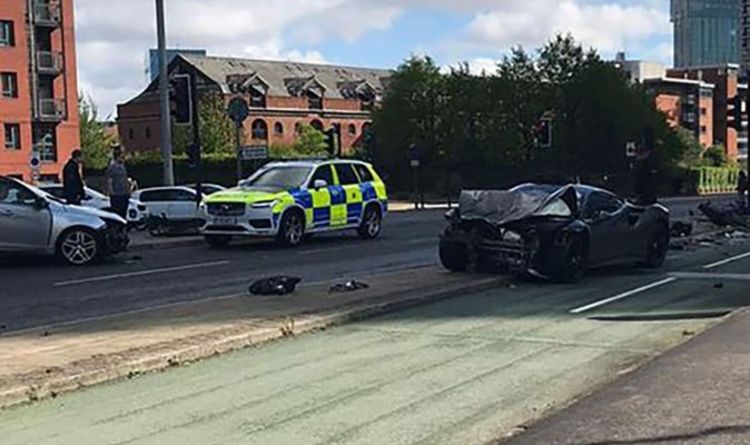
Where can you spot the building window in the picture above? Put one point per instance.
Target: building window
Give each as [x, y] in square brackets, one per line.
[352, 129]
[298, 128]
[257, 99]
[148, 132]
[704, 111]
[278, 128]
[704, 130]
[314, 102]
[13, 136]
[260, 129]
[45, 142]
[366, 127]
[131, 134]
[7, 37]
[10, 84]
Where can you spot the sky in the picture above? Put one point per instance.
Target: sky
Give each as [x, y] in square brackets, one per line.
[113, 37]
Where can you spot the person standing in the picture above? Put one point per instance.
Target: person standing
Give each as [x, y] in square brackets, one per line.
[72, 180]
[644, 180]
[742, 187]
[118, 185]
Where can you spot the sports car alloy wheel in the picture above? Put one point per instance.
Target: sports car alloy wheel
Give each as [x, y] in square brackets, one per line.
[79, 247]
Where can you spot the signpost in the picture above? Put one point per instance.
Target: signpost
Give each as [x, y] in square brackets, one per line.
[253, 152]
[415, 157]
[238, 111]
[35, 163]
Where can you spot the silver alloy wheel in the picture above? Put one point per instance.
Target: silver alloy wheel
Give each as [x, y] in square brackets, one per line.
[294, 230]
[373, 224]
[79, 247]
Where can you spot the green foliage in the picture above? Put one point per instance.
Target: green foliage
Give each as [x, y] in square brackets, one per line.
[693, 154]
[309, 143]
[715, 156]
[96, 143]
[467, 125]
[216, 128]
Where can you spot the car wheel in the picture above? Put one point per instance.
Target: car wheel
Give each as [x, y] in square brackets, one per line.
[656, 250]
[454, 256]
[218, 240]
[78, 247]
[372, 223]
[571, 263]
[291, 229]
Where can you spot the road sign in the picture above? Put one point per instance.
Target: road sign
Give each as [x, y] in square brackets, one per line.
[630, 149]
[238, 110]
[35, 175]
[253, 152]
[35, 162]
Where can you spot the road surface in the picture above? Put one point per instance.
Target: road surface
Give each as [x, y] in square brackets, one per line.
[463, 371]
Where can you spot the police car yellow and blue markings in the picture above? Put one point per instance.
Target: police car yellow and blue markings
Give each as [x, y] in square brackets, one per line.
[330, 207]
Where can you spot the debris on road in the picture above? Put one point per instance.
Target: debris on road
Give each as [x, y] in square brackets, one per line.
[349, 286]
[279, 285]
[681, 229]
[729, 216]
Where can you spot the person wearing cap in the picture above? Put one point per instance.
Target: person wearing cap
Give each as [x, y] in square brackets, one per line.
[72, 180]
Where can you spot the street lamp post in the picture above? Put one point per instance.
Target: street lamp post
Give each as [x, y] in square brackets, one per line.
[164, 118]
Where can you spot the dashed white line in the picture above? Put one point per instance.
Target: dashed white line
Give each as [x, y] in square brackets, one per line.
[711, 276]
[622, 296]
[140, 273]
[727, 261]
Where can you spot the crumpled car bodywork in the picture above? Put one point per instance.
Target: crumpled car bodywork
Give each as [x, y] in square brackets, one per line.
[545, 231]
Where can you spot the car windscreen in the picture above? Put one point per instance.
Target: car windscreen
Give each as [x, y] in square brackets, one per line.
[278, 178]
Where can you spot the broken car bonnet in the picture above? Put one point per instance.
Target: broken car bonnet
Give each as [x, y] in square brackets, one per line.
[504, 206]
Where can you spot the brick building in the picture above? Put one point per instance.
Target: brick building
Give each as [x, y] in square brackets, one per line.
[39, 100]
[687, 103]
[282, 96]
[726, 82]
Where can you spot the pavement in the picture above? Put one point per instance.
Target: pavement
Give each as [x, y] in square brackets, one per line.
[468, 370]
[698, 393]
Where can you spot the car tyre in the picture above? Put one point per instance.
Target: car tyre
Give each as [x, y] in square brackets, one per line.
[218, 241]
[79, 246]
[372, 223]
[570, 265]
[454, 255]
[291, 229]
[656, 249]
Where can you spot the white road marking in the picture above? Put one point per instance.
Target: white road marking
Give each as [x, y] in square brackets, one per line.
[727, 261]
[622, 296]
[140, 273]
[711, 276]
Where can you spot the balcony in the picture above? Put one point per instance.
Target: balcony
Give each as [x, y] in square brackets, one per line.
[47, 14]
[51, 110]
[49, 62]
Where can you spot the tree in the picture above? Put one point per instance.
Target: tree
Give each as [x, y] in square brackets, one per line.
[96, 142]
[715, 156]
[310, 142]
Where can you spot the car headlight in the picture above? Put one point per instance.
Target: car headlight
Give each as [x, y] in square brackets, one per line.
[511, 236]
[264, 204]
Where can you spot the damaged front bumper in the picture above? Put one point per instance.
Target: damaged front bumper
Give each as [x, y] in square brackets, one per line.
[114, 238]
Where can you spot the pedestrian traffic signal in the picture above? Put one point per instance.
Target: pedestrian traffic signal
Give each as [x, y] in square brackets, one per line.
[193, 153]
[543, 133]
[735, 112]
[180, 99]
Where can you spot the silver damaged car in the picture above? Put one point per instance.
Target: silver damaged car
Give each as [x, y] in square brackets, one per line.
[32, 221]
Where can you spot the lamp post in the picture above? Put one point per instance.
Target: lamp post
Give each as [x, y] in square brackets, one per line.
[164, 118]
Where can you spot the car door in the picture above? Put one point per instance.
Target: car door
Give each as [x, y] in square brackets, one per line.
[24, 225]
[319, 216]
[609, 227]
[182, 204]
[155, 201]
[351, 213]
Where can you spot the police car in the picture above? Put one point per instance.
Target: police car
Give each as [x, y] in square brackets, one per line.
[288, 200]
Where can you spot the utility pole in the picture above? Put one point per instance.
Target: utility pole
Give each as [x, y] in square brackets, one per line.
[746, 116]
[165, 121]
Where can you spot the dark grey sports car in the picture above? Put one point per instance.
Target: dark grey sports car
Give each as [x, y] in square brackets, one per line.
[553, 232]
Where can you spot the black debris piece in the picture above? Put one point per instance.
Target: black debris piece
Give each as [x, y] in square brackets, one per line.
[719, 286]
[732, 215]
[278, 285]
[681, 229]
[349, 286]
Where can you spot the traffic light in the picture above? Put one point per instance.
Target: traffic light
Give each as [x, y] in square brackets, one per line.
[331, 140]
[180, 99]
[735, 112]
[193, 153]
[544, 133]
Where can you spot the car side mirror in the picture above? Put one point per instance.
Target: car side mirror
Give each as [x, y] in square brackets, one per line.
[320, 184]
[41, 203]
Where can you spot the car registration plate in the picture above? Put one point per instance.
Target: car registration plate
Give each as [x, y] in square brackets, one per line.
[224, 221]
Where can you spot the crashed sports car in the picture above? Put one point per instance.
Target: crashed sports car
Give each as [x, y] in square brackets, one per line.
[552, 232]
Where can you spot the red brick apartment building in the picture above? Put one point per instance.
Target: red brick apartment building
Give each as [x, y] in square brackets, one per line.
[39, 99]
[687, 103]
[282, 96]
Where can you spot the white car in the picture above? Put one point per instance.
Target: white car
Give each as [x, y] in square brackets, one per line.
[137, 212]
[178, 204]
